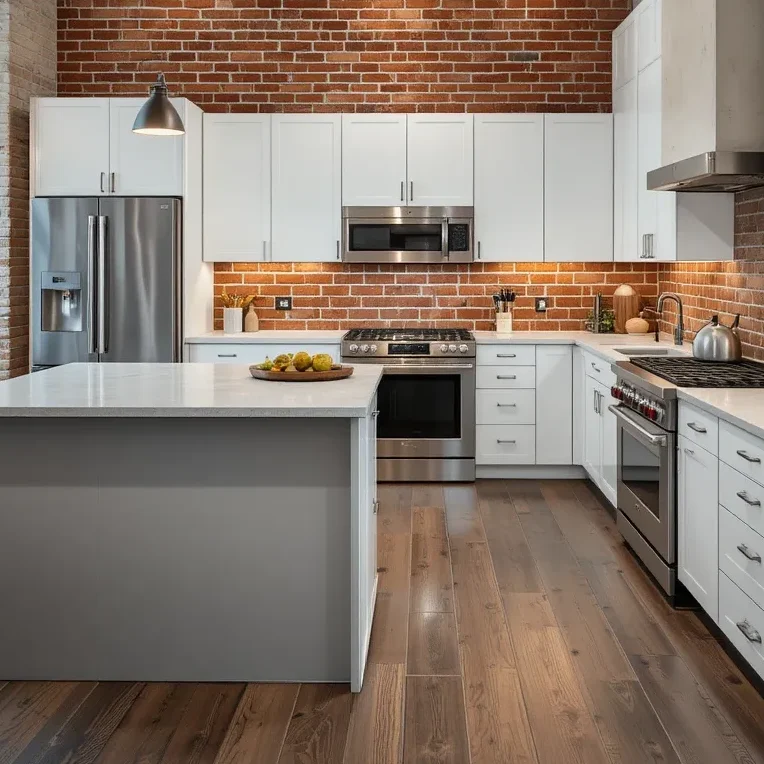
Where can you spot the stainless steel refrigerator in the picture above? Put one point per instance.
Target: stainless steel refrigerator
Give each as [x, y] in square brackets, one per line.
[106, 280]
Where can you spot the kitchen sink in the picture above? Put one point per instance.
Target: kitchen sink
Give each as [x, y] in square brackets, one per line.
[635, 351]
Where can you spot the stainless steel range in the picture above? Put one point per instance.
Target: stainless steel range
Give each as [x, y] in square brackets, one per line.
[426, 401]
[646, 389]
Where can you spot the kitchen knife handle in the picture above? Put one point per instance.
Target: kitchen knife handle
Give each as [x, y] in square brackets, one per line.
[92, 343]
[103, 292]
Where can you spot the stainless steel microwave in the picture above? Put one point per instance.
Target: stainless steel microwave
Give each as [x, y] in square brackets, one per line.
[407, 234]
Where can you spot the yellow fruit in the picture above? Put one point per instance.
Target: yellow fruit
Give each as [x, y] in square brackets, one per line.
[302, 361]
[322, 362]
[282, 361]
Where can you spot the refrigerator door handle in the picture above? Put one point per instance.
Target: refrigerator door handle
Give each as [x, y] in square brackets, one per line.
[92, 342]
[103, 296]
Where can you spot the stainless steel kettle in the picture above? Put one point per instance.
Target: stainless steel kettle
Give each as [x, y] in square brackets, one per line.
[717, 342]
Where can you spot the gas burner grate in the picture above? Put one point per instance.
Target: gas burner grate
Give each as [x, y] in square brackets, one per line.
[408, 335]
[691, 372]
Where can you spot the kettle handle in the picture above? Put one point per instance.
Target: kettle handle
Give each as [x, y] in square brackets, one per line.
[736, 322]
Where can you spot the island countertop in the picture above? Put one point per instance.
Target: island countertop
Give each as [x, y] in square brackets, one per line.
[181, 390]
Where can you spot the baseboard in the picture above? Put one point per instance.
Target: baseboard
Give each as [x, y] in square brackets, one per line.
[530, 471]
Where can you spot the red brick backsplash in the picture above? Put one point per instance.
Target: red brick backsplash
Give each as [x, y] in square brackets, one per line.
[336, 296]
[725, 288]
[345, 55]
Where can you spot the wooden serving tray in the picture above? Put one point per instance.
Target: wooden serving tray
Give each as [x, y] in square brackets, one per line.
[336, 372]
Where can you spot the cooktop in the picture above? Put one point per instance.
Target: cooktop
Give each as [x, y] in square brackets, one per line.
[408, 335]
[691, 372]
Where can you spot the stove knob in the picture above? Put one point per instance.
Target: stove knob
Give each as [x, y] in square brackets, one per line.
[365, 348]
[373, 348]
[353, 348]
[452, 348]
[615, 391]
[463, 348]
[444, 348]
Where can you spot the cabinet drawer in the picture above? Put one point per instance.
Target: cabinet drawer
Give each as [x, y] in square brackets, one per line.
[742, 621]
[506, 355]
[699, 426]
[511, 377]
[598, 369]
[741, 551]
[742, 450]
[506, 407]
[506, 444]
[252, 352]
[742, 496]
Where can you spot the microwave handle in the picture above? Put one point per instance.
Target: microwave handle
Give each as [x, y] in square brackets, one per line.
[444, 238]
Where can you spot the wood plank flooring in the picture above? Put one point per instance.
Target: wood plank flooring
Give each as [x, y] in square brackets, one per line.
[512, 627]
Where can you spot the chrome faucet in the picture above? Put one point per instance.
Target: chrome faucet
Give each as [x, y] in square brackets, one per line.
[679, 329]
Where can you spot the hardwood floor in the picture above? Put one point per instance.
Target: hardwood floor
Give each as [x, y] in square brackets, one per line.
[512, 626]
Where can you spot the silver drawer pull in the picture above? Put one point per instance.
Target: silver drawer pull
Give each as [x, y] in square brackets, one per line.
[375, 506]
[689, 451]
[596, 368]
[499, 440]
[507, 405]
[749, 632]
[506, 376]
[697, 427]
[375, 413]
[749, 458]
[746, 552]
[748, 500]
[506, 355]
[227, 355]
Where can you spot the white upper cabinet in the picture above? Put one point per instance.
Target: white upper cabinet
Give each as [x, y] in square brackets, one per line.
[87, 147]
[440, 160]
[305, 190]
[237, 187]
[625, 52]
[578, 187]
[143, 165]
[70, 154]
[374, 160]
[648, 25]
[625, 183]
[509, 187]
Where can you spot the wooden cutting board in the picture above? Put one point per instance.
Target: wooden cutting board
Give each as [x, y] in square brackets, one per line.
[336, 372]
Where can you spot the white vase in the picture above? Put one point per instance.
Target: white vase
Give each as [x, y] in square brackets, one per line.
[232, 320]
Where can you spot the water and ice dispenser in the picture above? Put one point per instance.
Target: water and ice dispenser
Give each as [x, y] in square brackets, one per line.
[62, 301]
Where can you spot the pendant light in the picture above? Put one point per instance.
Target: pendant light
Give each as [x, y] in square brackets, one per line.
[158, 116]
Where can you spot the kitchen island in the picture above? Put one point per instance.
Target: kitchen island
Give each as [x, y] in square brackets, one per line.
[185, 522]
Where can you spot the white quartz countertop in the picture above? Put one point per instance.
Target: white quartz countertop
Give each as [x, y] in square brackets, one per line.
[269, 335]
[742, 407]
[182, 390]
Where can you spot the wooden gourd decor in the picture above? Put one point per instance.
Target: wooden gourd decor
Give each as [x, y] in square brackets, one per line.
[625, 306]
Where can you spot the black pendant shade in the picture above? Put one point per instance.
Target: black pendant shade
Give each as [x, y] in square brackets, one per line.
[158, 116]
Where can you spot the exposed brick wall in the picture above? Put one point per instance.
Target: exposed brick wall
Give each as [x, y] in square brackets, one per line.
[345, 55]
[335, 296]
[726, 288]
[27, 68]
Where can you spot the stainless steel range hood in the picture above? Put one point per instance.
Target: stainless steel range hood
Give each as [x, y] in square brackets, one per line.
[712, 171]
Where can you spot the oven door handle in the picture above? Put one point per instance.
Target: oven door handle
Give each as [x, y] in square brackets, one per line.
[655, 440]
[434, 369]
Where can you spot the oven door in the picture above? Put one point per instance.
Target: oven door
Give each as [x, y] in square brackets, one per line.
[646, 480]
[426, 411]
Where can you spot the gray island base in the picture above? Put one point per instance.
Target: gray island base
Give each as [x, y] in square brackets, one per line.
[217, 546]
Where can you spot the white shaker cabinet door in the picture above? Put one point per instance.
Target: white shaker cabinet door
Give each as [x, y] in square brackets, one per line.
[374, 160]
[143, 165]
[237, 187]
[592, 451]
[306, 187]
[609, 474]
[509, 187]
[71, 146]
[554, 404]
[440, 160]
[625, 52]
[578, 187]
[698, 524]
[625, 168]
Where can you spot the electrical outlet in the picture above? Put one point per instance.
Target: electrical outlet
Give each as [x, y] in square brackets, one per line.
[283, 303]
[542, 303]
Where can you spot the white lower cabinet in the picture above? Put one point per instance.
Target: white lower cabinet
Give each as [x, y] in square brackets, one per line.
[506, 444]
[600, 445]
[505, 407]
[554, 404]
[742, 621]
[698, 524]
[253, 352]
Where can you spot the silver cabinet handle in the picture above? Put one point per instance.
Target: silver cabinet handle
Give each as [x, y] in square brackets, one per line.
[748, 457]
[113, 183]
[506, 355]
[697, 428]
[92, 344]
[375, 413]
[507, 405]
[228, 355]
[595, 402]
[338, 249]
[650, 245]
[749, 501]
[265, 250]
[506, 376]
[499, 440]
[596, 368]
[746, 552]
[403, 190]
[689, 451]
[374, 506]
[411, 195]
[103, 178]
[749, 632]
[478, 250]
